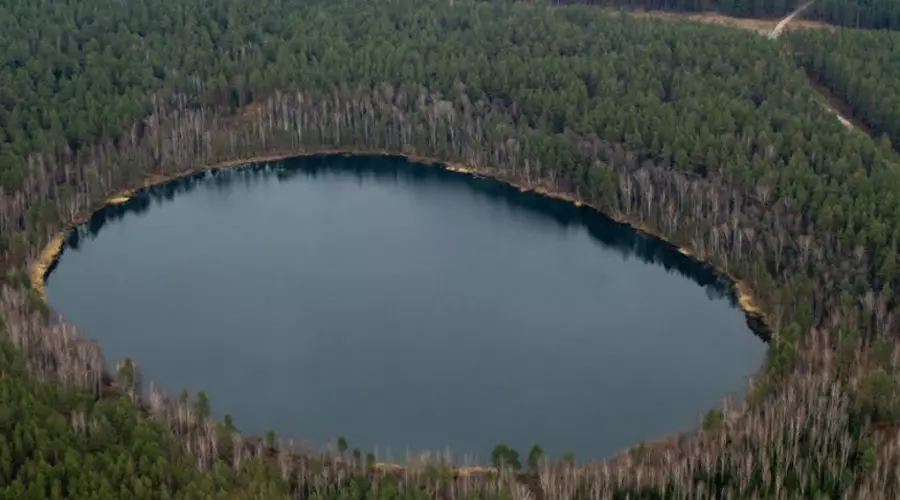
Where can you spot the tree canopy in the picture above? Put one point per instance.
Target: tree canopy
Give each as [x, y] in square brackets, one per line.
[707, 136]
[871, 14]
[861, 68]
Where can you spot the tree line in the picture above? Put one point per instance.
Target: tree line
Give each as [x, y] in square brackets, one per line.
[708, 136]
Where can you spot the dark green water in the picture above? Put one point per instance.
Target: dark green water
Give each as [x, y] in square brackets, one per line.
[405, 307]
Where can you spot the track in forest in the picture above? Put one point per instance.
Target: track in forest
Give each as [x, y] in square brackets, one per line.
[779, 28]
[771, 29]
[777, 31]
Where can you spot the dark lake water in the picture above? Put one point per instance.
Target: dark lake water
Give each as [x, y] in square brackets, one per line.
[406, 308]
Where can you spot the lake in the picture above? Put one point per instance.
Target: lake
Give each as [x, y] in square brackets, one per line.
[406, 308]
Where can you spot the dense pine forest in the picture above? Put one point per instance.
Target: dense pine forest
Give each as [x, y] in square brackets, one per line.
[861, 68]
[708, 136]
[871, 14]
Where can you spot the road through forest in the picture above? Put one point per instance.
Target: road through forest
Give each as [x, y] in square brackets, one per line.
[779, 29]
[766, 28]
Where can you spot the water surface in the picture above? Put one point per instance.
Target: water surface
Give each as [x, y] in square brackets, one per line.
[405, 307]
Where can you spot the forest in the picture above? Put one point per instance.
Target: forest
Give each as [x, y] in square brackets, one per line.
[869, 14]
[708, 136]
[859, 67]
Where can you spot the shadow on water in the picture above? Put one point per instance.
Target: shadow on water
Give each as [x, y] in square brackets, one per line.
[620, 237]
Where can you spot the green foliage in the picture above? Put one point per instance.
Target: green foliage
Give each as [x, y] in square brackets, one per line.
[228, 423]
[535, 457]
[866, 456]
[571, 98]
[851, 13]
[858, 13]
[61, 443]
[713, 421]
[876, 397]
[862, 69]
[37, 303]
[504, 456]
[754, 8]
[203, 405]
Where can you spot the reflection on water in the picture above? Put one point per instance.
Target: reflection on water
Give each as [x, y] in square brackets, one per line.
[613, 235]
[405, 306]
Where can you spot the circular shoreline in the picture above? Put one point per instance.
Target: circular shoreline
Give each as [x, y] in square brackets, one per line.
[42, 266]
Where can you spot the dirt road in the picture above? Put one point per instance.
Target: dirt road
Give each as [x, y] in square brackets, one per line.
[779, 28]
[790, 17]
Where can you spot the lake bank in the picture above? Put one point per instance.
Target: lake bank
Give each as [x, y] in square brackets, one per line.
[156, 182]
[51, 252]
